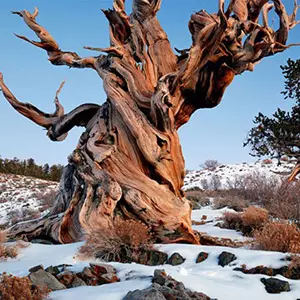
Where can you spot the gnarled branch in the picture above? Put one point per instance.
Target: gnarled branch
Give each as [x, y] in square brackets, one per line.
[47, 42]
[58, 124]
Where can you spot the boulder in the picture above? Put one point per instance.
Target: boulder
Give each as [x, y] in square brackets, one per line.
[165, 287]
[154, 258]
[201, 257]
[175, 259]
[147, 294]
[275, 286]
[225, 258]
[43, 278]
[36, 268]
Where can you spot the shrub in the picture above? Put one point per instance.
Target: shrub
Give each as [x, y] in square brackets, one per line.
[20, 288]
[232, 220]
[234, 202]
[123, 242]
[197, 199]
[210, 164]
[5, 250]
[278, 236]
[254, 217]
[251, 219]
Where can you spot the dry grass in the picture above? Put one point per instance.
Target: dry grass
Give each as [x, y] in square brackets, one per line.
[197, 199]
[278, 236]
[20, 288]
[251, 219]
[235, 203]
[232, 220]
[255, 217]
[5, 250]
[123, 242]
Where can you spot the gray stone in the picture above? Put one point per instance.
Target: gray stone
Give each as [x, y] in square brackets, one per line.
[156, 258]
[175, 259]
[36, 268]
[159, 277]
[147, 294]
[225, 258]
[43, 278]
[275, 286]
[165, 287]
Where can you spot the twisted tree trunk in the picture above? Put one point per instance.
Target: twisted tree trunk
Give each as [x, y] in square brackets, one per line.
[129, 162]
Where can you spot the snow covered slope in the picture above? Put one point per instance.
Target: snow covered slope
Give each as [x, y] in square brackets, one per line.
[229, 175]
[22, 197]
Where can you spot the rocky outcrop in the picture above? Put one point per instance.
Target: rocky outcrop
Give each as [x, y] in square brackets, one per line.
[60, 277]
[165, 287]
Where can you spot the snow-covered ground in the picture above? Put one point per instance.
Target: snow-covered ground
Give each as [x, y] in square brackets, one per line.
[207, 277]
[213, 217]
[230, 174]
[21, 195]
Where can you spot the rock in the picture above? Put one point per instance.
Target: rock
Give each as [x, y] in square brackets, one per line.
[155, 258]
[106, 273]
[159, 277]
[275, 286]
[36, 268]
[54, 270]
[69, 279]
[225, 258]
[43, 278]
[291, 272]
[147, 294]
[98, 274]
[165, 287]
[175, 259]
[201, 257]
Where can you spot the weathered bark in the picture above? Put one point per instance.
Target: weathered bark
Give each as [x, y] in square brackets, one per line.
[129, 161]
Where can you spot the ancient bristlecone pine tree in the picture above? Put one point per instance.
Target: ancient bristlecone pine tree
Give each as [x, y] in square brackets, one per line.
[129, 162]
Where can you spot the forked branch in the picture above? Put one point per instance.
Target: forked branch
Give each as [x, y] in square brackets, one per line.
[47, 42]
[58, 124]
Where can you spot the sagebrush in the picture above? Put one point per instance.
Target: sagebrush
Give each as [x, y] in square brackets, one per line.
[20, 288]
[278, 236]
[122, 242]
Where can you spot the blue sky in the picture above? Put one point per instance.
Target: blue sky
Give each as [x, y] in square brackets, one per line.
[211, 134]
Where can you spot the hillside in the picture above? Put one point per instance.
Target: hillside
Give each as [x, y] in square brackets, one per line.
[24, 197]
[229, 176]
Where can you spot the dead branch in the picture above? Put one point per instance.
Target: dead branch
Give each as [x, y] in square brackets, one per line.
[47, 42]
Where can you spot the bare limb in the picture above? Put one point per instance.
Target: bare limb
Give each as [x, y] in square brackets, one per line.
[47, 42]
[58, 123]
[292, 17]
